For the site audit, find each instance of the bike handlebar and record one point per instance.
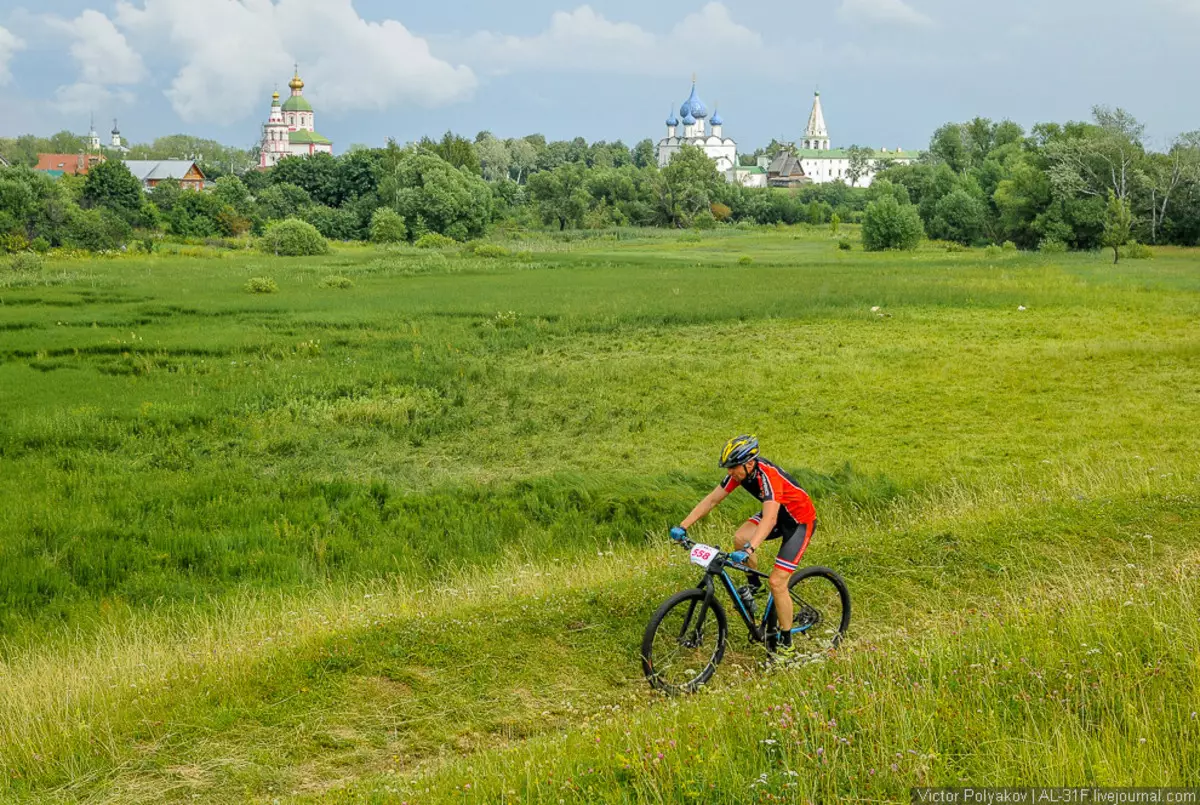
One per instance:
(721, 559)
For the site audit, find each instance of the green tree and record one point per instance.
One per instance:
(458, 151)
(1166, 173)
(387, 226)
(959, 216)
(111, 185)
(1118, 224)
(1090, 160)
(316, 174)
(433, 195)
(643, 154)
(561, 195)
(356, 175)
(887, 224)
(494, 157)
(165, 194)
(201, 215)
(230, 191)
(522, 158)
(282, 201)
(686, 186)
(860, 163)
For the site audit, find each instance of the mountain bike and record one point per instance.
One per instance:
(686, 637)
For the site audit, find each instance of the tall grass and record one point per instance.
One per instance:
(252, 545)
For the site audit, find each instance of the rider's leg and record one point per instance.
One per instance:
(785, 565)
(783, 601)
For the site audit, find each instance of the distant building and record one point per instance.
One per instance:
(72, 164)
(822, 163)
(785, 170)
(117, 144)
(152, 172)
(690, 129)
(289, 130)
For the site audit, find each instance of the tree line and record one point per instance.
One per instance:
(1079, 185)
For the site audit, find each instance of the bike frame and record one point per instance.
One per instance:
(717, 570)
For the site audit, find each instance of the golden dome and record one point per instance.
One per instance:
(275, 94)
(296, 83)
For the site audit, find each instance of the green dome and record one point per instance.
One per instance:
(296, 103)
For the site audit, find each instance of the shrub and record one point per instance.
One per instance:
(1052, 246)
(889, 225)
(293, 238)
(955, 248)
(1136, 251)
(993, 250)
(96, 230)
(26, 262)
(337, 282)
(40, 245)
(261, 285)
(490, 250)
(704, 220)
(1009, 246)
(387, 226)
(13, 242)
(835, 223)
(721, 212)
(432, 240)
(844, 245)
(745, 260)
(333, 223)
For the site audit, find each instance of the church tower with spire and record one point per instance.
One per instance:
(816, 136)
(93, 139)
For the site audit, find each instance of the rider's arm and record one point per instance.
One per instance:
(705, 506)
(770, 513)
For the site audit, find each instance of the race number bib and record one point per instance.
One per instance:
(703, 555)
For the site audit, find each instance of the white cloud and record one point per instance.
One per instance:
(9, 45)
(883, 12)
(584, 40)
(235, 52)
(103, 54)
(84, 97)
(104, 58)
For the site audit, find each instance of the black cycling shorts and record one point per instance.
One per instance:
(795, 538)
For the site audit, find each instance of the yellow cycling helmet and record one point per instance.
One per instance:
(739, 450)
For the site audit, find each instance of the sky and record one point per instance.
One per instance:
(889, 71)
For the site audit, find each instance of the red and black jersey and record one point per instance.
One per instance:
(769, 482)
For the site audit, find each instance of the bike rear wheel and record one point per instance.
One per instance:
(684, 642)
(820, 611)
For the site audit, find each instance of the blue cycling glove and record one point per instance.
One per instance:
(678, 533)
(739, 556)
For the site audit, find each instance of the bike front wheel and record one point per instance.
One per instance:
(684, 642)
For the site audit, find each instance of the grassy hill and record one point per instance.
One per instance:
(393, 531)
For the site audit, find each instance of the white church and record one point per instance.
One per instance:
(691, 128)
(289, 130)
(812, 161)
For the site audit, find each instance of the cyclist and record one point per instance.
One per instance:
(787, 514)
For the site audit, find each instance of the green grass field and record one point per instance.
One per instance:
(392, 533)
